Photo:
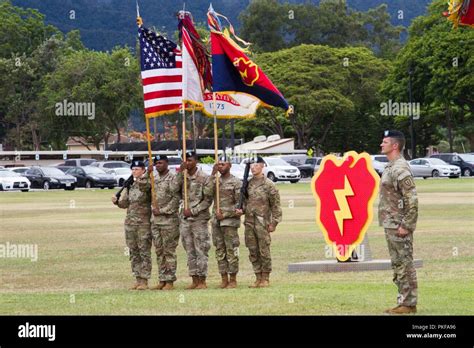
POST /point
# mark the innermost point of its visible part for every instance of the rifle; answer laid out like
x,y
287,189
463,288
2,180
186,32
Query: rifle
x,y
126,184
245,184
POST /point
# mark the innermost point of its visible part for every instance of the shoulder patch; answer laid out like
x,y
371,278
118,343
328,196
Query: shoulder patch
x,y
407,183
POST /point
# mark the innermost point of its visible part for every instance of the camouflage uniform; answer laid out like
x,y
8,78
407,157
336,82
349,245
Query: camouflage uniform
x,y
165,226
194,229
399,207
224,232
137,228
262,208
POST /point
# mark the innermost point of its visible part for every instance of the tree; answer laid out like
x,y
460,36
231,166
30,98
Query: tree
x,y
334,92
442,63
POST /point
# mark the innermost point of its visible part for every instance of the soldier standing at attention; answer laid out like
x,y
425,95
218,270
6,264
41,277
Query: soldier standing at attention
x,y
225,224
193,226
137,226
262,214
398,213
165,223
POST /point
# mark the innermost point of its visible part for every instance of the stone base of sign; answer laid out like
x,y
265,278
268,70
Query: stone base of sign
x,y
334,266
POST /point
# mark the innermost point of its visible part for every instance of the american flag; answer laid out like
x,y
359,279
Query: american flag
x,y
162,77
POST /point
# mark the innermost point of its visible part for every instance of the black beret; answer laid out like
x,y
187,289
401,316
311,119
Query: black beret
x,y
224,158
259,160
393,134
139,164
192,154
160,158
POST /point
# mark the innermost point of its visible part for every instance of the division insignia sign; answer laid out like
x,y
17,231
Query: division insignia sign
x,y
345,190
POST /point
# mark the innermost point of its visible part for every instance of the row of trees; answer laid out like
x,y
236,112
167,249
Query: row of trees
x,y
335,65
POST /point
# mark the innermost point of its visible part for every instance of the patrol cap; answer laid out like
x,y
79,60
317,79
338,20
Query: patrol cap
x,y
393,134
192,154
224,158
160,158
138,164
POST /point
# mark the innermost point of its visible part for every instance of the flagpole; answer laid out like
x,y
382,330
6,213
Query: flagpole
x,y
216,159
185,172
194,129
150,161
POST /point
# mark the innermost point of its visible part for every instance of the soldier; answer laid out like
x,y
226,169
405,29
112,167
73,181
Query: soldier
x,y
225,224
137,226
194,220
262,214
165,223
398,213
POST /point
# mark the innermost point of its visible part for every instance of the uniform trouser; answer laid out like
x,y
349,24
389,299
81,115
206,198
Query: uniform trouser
x,y
138,239
226,241
257,240
196,242
165,240
404,273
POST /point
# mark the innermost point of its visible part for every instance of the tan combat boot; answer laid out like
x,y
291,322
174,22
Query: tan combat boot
x,y
143,284
134,286
265,283
168,286
402,310
233,281
194,284
225,281
258,279
158,286
202,283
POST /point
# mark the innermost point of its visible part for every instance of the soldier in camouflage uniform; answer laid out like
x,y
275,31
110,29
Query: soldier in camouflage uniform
x,y
398,213
137,226
194,220
225,224
165,222
262,214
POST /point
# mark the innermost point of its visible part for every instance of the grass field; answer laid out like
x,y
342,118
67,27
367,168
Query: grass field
x,y
82,267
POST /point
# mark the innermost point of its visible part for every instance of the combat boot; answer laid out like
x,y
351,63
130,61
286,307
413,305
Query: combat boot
x,y
402,310
158,286
265,283
225,281
168,286
258,279
233,281
194,284
143,284
202,283
134,286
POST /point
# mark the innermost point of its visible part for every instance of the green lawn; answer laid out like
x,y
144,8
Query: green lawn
x,y
82,267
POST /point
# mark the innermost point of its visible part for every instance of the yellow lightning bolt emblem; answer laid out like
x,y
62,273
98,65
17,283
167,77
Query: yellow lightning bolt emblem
x,y
344,211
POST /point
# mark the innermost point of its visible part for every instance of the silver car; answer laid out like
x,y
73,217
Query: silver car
x,y
433,167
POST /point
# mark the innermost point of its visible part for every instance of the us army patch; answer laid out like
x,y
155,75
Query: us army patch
x,y
408,183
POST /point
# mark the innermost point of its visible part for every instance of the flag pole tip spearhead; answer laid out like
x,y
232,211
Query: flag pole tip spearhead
x,y
139,21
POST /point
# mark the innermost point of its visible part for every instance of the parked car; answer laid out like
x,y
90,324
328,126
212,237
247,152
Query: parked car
x,y
19,170
10,180
309,168
120,174
50,178
433,167
89,176
110,164
462,160
379,162
277,169
77,162
64,169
